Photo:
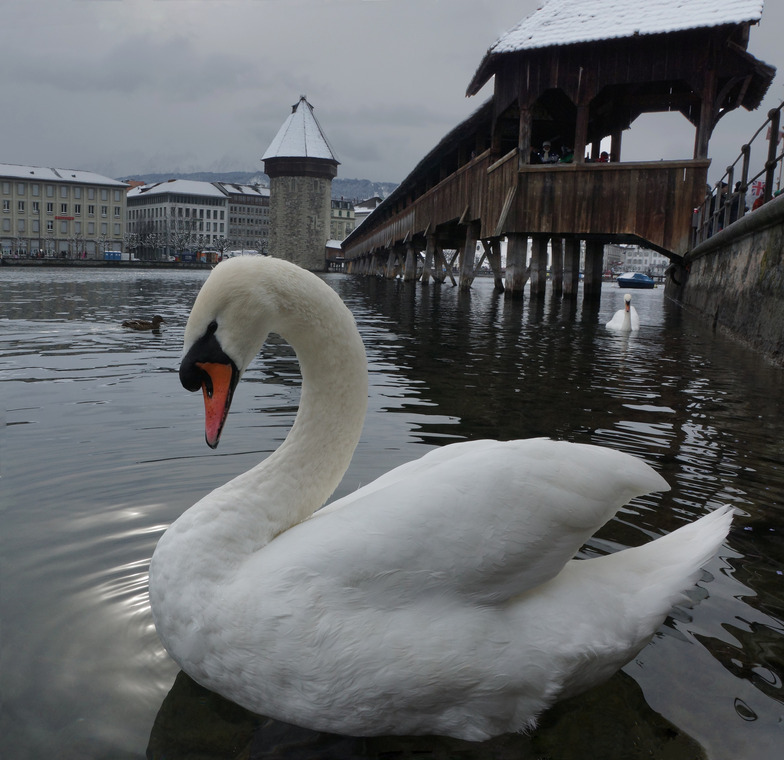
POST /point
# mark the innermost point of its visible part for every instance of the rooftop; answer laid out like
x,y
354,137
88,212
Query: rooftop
x,y
300,136
46,174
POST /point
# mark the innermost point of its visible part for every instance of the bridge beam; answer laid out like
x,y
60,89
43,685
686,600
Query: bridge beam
x,y
410,270
468,255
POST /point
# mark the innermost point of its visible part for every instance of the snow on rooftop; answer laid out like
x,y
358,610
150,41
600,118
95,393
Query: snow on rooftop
x,y
300,136
178,186
45,174
566,22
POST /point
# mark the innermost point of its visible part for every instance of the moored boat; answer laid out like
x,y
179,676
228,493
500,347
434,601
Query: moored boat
x,y
635,280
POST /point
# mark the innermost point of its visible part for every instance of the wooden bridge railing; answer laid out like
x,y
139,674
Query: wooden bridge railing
x,y
651,203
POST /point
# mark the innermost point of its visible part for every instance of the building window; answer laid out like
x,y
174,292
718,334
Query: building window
x,y
104,210
6,188
104,228
20,207
64,191
77,192
35,189
36,226
50,208
63,228
78,228
36,207
104,194
50,191
90,210
91,228
90,193
20,188
63,208
6,225
116,230
6,205
20,225
49,225
77,209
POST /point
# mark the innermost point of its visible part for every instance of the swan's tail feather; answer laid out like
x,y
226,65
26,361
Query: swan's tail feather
x,y
663,570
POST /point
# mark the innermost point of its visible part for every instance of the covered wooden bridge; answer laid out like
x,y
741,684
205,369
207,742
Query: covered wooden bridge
x,y
573,77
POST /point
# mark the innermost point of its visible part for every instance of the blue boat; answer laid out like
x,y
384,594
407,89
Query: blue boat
x,y
635,280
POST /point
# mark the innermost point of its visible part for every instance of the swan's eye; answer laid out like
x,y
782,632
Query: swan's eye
x,y
212,327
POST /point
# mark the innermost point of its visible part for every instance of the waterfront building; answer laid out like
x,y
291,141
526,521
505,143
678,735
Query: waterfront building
x,y
68,213
635,258
249,216
341,222
177,217
301,166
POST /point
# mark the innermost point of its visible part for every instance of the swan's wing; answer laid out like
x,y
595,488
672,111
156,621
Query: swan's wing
x,y
485,519
616,322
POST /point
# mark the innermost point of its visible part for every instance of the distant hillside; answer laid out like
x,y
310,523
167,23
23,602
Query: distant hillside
x,y
350,189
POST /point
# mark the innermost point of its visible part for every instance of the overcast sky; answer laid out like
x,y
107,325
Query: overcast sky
x,y
125,87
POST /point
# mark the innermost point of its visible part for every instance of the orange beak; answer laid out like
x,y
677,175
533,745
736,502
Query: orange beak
x,y
217,388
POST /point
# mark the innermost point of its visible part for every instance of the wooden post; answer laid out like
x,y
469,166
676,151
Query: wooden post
x,y
524,133
410,271
439,275
391,268
705,126
493,251
571,266
615,145
539,266
468,255
557,264
516,256
594,265
430,248
581,133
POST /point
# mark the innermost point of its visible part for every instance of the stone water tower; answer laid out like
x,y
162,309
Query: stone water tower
x,y
301,165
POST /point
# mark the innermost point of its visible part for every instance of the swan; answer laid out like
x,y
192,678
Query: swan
x,y
625,319
441,598
143,324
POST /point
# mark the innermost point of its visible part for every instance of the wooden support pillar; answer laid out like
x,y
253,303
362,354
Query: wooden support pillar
x,y
556,264
571,267
493,253
440,265
594,266
539,266
581,133
524,133
430,248
707,113
410,270
615,145
516,256
391,269
468,255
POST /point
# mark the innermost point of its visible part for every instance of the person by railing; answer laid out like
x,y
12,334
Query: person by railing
x,y
720,208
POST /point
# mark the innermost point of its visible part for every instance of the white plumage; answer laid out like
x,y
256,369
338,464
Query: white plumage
x,y
626,319
441,598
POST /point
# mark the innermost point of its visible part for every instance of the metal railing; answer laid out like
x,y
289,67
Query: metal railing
x,y
725,202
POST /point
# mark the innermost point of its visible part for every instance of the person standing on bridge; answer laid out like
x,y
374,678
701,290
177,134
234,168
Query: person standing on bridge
x,y
548,155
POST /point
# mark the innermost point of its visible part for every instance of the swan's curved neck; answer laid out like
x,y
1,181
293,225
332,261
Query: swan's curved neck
x,y
302,473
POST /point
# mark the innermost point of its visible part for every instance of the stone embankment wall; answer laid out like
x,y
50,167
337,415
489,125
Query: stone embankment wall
x,y
736,280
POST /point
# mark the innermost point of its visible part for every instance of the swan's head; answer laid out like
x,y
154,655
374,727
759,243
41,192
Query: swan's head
x,y
627,300
229,322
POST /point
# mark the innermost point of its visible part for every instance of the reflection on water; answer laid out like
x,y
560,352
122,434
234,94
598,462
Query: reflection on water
x,y
98,458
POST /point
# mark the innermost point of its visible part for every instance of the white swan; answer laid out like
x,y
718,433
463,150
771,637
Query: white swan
x,y
625,319
439,599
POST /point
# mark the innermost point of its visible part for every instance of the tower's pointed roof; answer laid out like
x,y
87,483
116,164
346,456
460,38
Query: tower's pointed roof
x,y
300,136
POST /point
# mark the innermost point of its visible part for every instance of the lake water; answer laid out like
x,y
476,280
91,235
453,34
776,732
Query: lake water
x,y
102,449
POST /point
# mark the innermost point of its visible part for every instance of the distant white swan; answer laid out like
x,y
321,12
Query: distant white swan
x,y
625,319
441,598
